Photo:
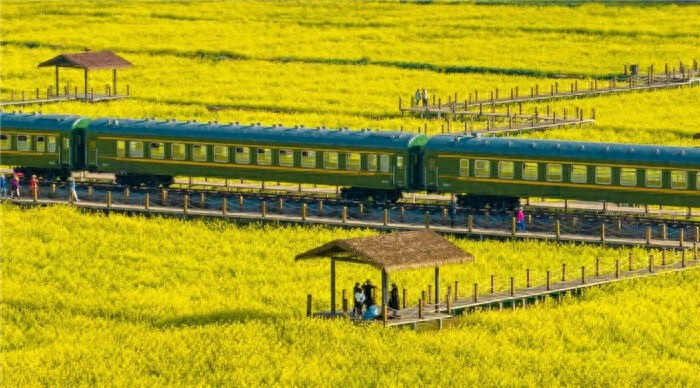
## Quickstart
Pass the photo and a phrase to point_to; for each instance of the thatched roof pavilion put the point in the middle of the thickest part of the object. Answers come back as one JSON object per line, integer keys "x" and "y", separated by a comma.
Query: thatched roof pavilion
{"x": 389, "y": 253}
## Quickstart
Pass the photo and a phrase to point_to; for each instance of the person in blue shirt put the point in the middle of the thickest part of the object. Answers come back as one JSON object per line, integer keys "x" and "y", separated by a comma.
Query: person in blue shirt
{"x": 73, "y": 193}
{"x": 3, "y": 186}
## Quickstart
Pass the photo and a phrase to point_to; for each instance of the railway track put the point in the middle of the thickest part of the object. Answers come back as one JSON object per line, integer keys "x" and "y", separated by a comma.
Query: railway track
{"x": 324, "y": 205}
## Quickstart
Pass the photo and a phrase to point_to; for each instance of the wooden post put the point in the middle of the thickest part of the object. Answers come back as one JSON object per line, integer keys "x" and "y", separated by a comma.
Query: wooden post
{"x": 35, "y": 195}
{"x": 630, "y": 258}
{"x": 583, "y": 274}
{"x": 617, "y": 268}
{"x": 512, "y": 286}
{"x": 456, "y": 294}
{"x": 386, "y": 217}
{"x": 651, "y": 263}
{"x": 648, "y": 235}
{"x": 527, "y": 278}
{"x": 681, "y": 237}
{"x": 109, "y": 199}
{"x": 303, "y": 211}
{"x": 493, "y": 284}
{"x": 426, "y": 220}
{"x": 402, "y": 213}
{"x": 146, "y": 201}
{"x": 476, "y": 292}
{"x": 344, "y": 214}
{"x": 345, "y": 306}
{"x": 240, "y": 203}
{"x": 512, "y": 226}
{"x": 663, "y": 256}
{"x": 224, "y": 205}
{"x": 557, "y": 229}
{"x": 361, "y": 209}
{"x": 549, "y": 280}
{"x": 437, "y": 286}
{"x": 333, "y": 286}
{"x": 697, "y": 234}
{"x": 127, "y": 194}
{"x": 263, "y": 209}
{"x": 385, "y": 315}
{"x": 280, "y": 204}
{"x": 320, "y": 208}
{"x": 470, "y": 223}
{"x": 403, "y": 300}
{"x": 664, "y": 232}
{"x": 185, "y": 203}
{"x": 430, "y": 293}
{"x": 602, "y": 232}
{"x": 448, "y": 302}
{"x": 202, "y": 200}
{"x": 682, "y": 258}
{"x": 597, "y": 266}
{"x": 563, "y": 272}
{"x": 308, "y": 305}
{"x": 420, "y": 308}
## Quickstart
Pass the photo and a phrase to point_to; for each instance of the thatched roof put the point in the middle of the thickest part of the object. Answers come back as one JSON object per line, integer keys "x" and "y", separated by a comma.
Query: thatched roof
{"x": 91, "y": 60}
{"x": 394, "y": 251}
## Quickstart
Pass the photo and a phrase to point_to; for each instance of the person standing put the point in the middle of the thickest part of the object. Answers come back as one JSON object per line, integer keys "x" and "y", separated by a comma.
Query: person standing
{"x": 394, "y": 297}
{"x": 73, "y": 193}
{"x": 3, "y": 186}
{"x": 359, "y": 298}
{"x": 15, "y": 187}
{"x": 367, "y": 289}
{"x": 34, "y": 187}
{"x": 418, "y": 97}
{"x": 453, "y": 212}
{"x": 425, "y": 97}
{"x": 520, "y": 217}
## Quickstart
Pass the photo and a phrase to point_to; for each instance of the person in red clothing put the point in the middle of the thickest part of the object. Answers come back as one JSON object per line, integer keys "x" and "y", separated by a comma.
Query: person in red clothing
{"x": 520, "y": 217}
{"x": 34, "y": 187}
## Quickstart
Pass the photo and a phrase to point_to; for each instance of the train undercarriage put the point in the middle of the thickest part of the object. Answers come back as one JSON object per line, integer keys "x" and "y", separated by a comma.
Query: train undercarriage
{"x": 136, "y": 180}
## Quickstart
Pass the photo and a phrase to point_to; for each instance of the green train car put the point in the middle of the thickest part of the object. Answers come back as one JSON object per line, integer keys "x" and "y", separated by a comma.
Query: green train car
{"x": 47, "y": 145}
{"x": 499, "y": 171}
{"x": 365, "y": 163}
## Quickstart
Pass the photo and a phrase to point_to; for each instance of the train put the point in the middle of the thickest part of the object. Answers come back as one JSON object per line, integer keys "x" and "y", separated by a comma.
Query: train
{"x": 481, "y": 172}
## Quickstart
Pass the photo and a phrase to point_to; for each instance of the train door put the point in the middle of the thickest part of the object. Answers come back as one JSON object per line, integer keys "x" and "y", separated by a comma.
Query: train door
{"x": 66, "y": 150}
{"x": 400, "y": 171}
{"x": 431, "y": 173}
{"x": 78, "y": 150}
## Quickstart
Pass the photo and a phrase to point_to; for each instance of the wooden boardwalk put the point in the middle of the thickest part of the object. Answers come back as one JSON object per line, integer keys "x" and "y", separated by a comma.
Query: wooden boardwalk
{"x": 452, "y": 106}
{"x": 268, "y": 215}
{"x": 29, "y": 98}
{"x": 453, "y": 305}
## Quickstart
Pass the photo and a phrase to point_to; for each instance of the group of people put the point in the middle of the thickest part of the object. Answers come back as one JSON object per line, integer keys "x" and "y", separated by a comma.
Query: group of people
{"x": 421, "y": 96}
{"x": 15, "y": 186}
{"x": 363, "y": 296}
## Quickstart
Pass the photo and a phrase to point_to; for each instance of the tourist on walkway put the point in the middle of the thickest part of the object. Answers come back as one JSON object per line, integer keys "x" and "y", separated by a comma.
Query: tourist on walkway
{"x": 425, "y": 97}
{"x": 520, "y": 217}
{"x": 34, "y": 187}
{"x": 359, "y": 298}
{"x": 368, "y": 289}
{"x": 3, "y": 186}
{"x": 418, "y": 97}
{"x": 394, "y": 297}
{"x": 15, "y": 187}
{"x": 73, "y": 193}
{"x": 453, "y": 212}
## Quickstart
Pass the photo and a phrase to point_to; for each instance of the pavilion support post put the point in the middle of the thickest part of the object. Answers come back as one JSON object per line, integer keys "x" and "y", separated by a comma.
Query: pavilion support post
{"x": 114, "y": 81}
{"x": 86, "y": 83}
{"x": 332, "y": 286}
{"x": 385, "y": 288}
{"x": 437, "y": 284}
{"x": 57, "y": 93}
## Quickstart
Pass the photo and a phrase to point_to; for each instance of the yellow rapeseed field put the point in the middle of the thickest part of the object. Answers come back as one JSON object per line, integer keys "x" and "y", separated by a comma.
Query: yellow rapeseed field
{"x": 107, "y": 300}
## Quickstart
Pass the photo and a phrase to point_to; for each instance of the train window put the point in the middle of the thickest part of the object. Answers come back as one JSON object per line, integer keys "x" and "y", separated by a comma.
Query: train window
{"x": 482, "y": 168}
{"x": 330, "y": 160}
{"x": 530, "y": 171}
{"x": 66, "y": 143}
{"x": 384, "y": 163}
{"x": 308, "y": 159}
{"x": 136, "y": 149}
{"x": 4, "y": 142}
{"x": 506, "y": 170}
{"x": 399, "y": 161}
{"x": 24, "y": 143}
{"x": 199, "y": 152}
{"x": 242, "y": 155}
{"x": 221, "y": 154}
{"x": 353, "y": 161}
{"x": 555, "y": 172}
{"x": 464, "y": 167}
{"x": 679, "y": 180}
{"x": 121, "y": 148}
{"x": 372, "y": 162}
{"x": 579, "y": 174}
{"x": 51, "y": 143}
{"x": 264, "y": 156}
{"x": 286, "y": 157}
{"x": 177, "y": 151}
{"x": 157, "y": 150}
{"x": 653, "y": 178}
{"x": 603, "y": 175}
{"x": 628, "y": 176}
{"x": 41, "y": 144}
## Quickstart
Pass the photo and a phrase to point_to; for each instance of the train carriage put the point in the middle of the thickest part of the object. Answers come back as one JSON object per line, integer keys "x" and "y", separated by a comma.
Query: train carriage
{"x": 499, "y": 171}
{"x": 48, "y": 145}
{"x": 366, "y": 163}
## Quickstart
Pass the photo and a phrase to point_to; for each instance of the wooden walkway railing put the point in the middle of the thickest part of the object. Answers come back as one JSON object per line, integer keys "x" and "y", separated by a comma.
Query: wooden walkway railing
{"x": 38, "y": 96}
{"x": 671, "y": 78}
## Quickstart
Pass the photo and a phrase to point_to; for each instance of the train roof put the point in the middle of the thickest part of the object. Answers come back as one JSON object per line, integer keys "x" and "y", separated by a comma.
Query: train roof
{"x": 612, "y": 153}
{"x": 40, "y": 122}
{"x": 257, "y": 134}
